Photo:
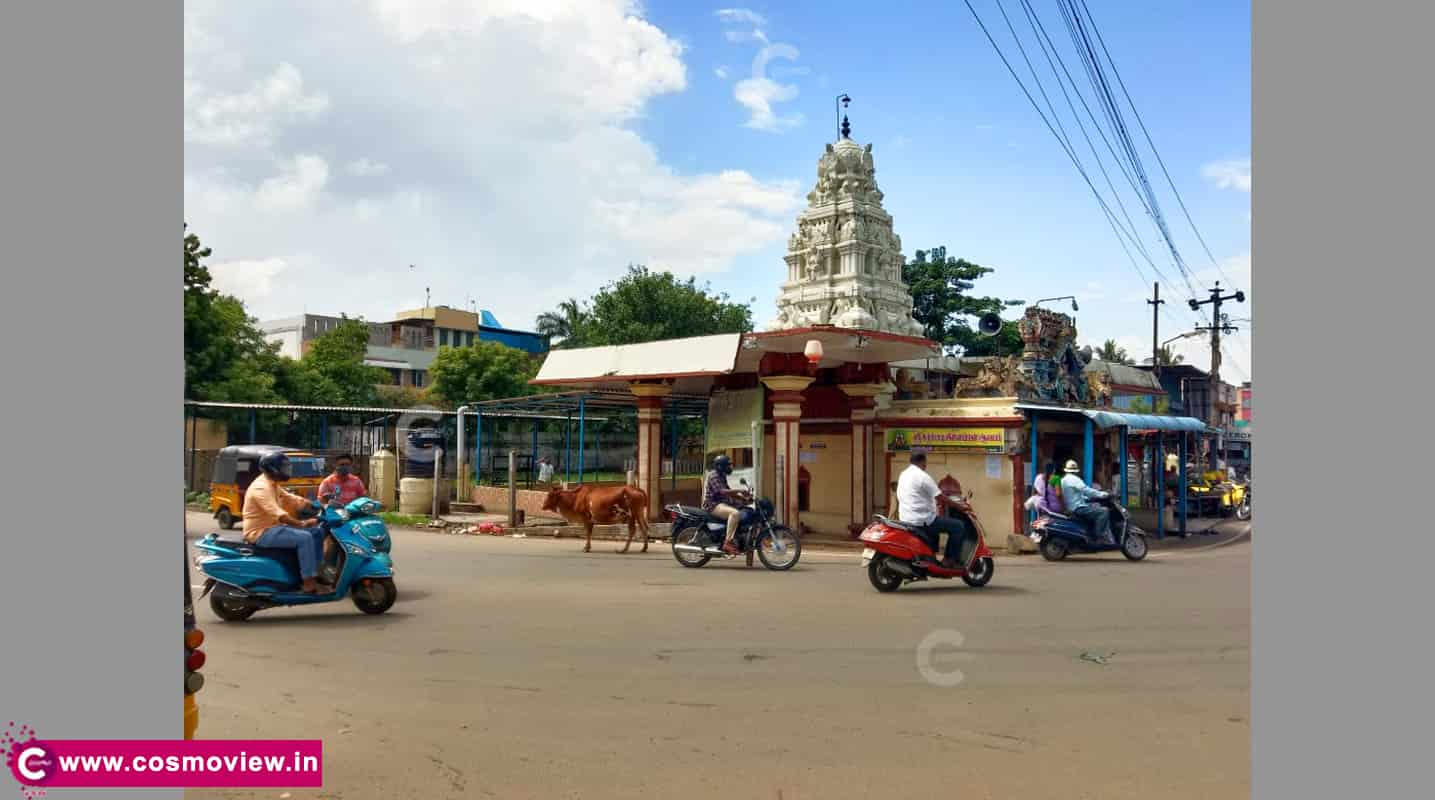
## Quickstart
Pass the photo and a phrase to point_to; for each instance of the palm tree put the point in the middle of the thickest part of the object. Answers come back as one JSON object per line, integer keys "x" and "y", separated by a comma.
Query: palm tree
{"x": 1113, "y": 353}
{"x": 563, "y": 324}
{"x": 1166, "y": 358}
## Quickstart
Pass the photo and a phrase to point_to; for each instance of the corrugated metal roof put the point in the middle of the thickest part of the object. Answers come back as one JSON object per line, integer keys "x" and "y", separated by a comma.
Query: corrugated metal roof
{"x": 698, "y": 355}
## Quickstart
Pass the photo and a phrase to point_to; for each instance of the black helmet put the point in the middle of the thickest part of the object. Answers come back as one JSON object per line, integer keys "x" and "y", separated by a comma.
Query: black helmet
{"x": 275, "y": 465}
{"x": 722, "y": 465}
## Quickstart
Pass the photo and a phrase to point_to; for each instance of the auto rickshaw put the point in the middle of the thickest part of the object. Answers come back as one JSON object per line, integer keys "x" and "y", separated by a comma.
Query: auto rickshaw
{"x": 1214, "y": 490}
{"x": 238, "y": 466}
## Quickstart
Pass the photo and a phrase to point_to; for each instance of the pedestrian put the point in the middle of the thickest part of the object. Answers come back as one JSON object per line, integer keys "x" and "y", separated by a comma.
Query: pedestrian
{"x": 545, "y": 470}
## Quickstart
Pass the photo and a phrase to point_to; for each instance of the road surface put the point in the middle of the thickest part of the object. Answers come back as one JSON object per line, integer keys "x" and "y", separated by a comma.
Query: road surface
{"x": 526, "y": 669}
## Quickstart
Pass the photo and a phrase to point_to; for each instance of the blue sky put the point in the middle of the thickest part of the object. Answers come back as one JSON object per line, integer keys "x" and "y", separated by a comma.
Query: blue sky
{"x": 521, "y": 151}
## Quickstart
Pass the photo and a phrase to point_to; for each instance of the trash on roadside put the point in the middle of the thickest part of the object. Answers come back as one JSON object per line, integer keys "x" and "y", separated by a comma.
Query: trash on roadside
{"x": 1097, "y": 658}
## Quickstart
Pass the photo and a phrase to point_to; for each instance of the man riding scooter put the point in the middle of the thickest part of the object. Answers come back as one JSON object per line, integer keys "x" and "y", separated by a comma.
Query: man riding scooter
{"x": 1077, "y": 497}
{"x": 269, "y": 520}
{"x": 917, "y": 506}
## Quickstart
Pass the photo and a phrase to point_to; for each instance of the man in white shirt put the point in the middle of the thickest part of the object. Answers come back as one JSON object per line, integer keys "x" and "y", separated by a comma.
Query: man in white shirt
{"x": 917, "y": 506}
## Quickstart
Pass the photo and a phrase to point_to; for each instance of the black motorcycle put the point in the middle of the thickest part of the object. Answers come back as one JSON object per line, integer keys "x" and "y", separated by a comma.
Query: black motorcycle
{"x": 1057, "y": 535}
{"x": 698, "y": 536}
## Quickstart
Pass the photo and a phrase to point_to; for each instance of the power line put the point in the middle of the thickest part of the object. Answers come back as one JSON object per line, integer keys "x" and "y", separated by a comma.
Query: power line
{"x": 1122, "y": 83}
{"x": 1110, "y": 216}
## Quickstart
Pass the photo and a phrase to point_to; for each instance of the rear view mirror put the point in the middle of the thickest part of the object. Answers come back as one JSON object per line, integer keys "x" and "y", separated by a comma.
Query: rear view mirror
{"x": 742, "y": 481}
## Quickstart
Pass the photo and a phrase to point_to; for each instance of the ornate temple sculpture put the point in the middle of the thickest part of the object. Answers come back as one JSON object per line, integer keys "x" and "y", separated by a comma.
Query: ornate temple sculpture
{"x": 844, "y": 263}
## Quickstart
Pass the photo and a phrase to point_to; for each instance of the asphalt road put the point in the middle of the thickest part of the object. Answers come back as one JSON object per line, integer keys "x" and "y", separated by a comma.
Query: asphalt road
{"x": 524, "y": 668}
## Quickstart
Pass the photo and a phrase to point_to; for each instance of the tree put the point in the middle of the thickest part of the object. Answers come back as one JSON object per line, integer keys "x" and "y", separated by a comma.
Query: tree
{"x": 336, "y": 361}
{"x": 1166, "y": 357}
{"x": 562, "y": 325}
{"x": 1113, "y": 353}
{"x": 645, "y": 306}
{"x": 481, "y": 371}
{"x": 941, "y": 303}
{"x": 226, "y": 357}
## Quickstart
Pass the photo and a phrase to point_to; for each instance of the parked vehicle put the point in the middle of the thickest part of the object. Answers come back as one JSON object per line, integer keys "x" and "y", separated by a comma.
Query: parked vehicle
{"x": 245, "y": 578}
{"x": 1243, "y": 502}
{"x": 698, "y": 536}
{"x": 1058, "y": 535}
{"x": 238, "y": 465}
{"x": 897, "y": 553}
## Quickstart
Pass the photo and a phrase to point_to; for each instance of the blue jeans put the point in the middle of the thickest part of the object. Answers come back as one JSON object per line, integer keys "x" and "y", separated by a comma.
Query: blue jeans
{"x": 954, "y": 528}
{"x": 308, "y": 543}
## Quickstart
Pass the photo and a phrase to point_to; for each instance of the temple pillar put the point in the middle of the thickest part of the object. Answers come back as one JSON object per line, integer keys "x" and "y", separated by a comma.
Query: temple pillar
{"x": 861, "y": 397}
{"x": 651, "y": 398}
{"x": 786, "y": 417}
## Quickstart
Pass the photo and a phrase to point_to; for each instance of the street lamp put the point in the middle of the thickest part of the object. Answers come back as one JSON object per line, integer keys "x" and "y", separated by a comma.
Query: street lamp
{"x": 1074, "y": 307}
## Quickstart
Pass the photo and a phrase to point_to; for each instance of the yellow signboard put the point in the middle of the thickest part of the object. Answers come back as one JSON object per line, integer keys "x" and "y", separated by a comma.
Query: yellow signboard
{"x": 904, "y": 439}
{"x": 730, "y": 418}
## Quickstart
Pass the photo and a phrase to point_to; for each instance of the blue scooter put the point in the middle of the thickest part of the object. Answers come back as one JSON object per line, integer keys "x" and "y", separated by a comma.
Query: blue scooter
{"x": 1057, "y": 535}
{"x": 245, "y": 578}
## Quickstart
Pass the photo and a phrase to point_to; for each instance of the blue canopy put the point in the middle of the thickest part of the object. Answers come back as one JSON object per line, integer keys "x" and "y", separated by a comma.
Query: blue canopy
{"x": 1135, "y": 422}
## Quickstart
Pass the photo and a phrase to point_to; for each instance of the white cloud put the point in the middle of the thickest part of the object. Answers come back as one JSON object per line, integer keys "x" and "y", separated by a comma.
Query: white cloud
{"x": 247, "y": 279}
{"x": 1233, "y": 174}
{"x": 295, "y": 188}
{"x": 1234, "y": 273}
{"x": 507, "y": 134}
{"x": 250, "y": 116}
{"x": 759, "y": 93}
{"x": 721, "y": 73}
{"x": 367, "y": 168}
{"x": 731, "y": 15}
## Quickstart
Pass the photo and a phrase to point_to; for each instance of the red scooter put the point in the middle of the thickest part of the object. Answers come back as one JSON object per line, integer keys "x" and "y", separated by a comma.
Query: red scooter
{"x": 896, "y": 553}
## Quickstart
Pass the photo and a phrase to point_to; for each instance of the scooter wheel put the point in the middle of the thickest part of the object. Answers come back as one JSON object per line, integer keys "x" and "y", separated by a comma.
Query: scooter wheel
{"x": 375, "y": 598}
{"x": 229, "y": 609}
{"x": 1054, "y": 549}
{"x": 1134, "y": 547}
{"x": 981, "y": 573}
{"x": 883, "y": 580}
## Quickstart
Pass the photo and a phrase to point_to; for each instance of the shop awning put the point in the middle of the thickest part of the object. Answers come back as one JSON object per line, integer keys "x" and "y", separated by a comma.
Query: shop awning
{"x": 1118, "y": 419}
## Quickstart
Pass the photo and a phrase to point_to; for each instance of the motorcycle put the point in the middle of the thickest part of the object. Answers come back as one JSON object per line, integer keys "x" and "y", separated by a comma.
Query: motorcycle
{"x": 1243, "y": 505}
{"x": 698, "y": 536}
{"x": 897, "y": 553}
{"x": 1058, "y": 535}
{"x": 243, "y": 578}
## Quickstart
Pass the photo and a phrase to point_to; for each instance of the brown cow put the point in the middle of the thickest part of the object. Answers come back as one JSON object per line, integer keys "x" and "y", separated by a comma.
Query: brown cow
{"x": 602, "y": 505}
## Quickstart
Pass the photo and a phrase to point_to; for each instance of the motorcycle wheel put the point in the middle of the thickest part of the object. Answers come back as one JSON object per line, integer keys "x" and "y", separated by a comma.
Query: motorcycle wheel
{"x": 982, "y": 574}
{"x": 787, "y": 558}
{"x": 689, "y": 536}
{"x": 883, "y": 579}
{"x": 1243, "y": 511}
{"x": 228, "y": 608}
{"x": 1134, "y": 547}
{"x": 377, "y": 597}
{"x": 1054, "y": 548}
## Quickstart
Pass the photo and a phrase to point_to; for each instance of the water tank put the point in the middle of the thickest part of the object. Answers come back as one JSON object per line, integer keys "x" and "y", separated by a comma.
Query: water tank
{"x": 384, "y": 478}
{"x": 416, "y": 495}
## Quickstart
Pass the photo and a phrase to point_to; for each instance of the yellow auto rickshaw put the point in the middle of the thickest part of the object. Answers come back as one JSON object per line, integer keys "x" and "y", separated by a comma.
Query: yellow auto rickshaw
{"x": 238, "y": 466}
{"x": 1214, "y": 491}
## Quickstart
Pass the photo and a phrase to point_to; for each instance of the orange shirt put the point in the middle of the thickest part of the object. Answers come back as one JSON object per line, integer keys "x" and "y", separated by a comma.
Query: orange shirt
{"x": 264, "y": 501}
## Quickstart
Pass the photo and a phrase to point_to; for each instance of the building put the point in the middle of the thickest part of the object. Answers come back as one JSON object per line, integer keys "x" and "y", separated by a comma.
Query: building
{"x": 407, "y": 345}
{"x": 827, "y": 403}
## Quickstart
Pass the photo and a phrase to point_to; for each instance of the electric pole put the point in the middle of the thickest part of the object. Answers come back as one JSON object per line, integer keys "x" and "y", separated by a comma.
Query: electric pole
{"x": 1155, "y": 303}
{"x": 1218, "y": 326}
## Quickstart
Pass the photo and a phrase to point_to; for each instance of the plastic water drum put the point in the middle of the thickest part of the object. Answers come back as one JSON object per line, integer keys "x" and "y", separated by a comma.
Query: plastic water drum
{"x": 384, "y": 478}
{"x": 416, "y": 495}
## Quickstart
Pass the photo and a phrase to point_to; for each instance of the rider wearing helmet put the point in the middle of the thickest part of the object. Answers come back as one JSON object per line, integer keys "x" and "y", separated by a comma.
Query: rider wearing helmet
{"x": 718, "y": 500}
{"x": 269, "y": 519}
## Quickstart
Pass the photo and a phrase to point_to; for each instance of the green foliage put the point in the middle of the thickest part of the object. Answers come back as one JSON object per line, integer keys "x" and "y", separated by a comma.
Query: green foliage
{"x": 646, "y": 306}
{"x": 1113, "y": 353}
{"x": 1166, "y": 357}
{"x": 390, "y": 396}
{"x": 333, "y": 371}
{"x": 225, "y": 356}
{"x": 561, "y": 325}
{"x": 482, "y": 371}
{"x": 940, "y": 288}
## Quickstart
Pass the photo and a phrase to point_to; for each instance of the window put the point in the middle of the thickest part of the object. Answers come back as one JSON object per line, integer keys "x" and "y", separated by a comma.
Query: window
{"x": 442, "y": 337}
{"x": 419, "y": 378}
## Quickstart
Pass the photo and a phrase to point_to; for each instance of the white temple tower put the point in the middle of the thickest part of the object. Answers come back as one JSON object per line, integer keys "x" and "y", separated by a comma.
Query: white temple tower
{"x": 844, "y": 263}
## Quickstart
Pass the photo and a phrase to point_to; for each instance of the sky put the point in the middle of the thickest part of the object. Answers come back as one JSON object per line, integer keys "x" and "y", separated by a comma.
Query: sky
{"x": 343, "y": 156}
